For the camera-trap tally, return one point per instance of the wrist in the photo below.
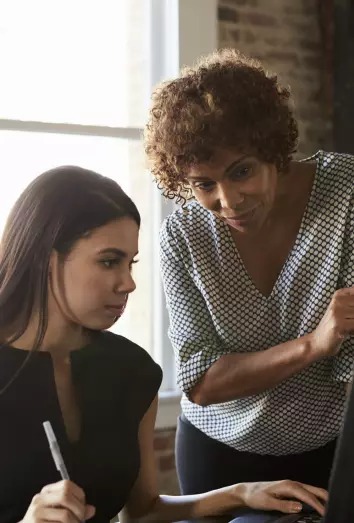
(310, 348)
(239, 495)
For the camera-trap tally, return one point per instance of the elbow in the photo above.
(200, 395)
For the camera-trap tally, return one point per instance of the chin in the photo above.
(101, 325)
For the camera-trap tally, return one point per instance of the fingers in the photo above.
(320, 493)
(291, 489)
(287, 507)
(57, 515)
(60, 502)
(66, 501)
(66, 487)
(89, 512)
(64, 498)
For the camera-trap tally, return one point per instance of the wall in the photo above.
(165, 458)
(286, 35)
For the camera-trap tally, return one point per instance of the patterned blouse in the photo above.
(215, 309)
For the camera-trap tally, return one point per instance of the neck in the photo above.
(293, 190)
(60, 339)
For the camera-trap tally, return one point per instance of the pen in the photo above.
(55, 450)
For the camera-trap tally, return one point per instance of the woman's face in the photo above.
(238, 188)
(91, 285)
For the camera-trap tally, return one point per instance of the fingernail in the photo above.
(297, 507)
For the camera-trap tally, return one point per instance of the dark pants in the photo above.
(205, 464)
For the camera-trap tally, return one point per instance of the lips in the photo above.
(241, 219)
(241, 216)
(117, 310)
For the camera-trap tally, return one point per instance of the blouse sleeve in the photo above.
(192, 332)
(342, 370)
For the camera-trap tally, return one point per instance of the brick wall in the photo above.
(286, 36)
(165, 458)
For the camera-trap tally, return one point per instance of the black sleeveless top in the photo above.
(116, 381)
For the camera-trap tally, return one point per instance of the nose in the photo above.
(126, 283)
(230, 195)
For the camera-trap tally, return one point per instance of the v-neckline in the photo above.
(317, 156)
(61, 418)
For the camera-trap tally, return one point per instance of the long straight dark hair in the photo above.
(58, 208)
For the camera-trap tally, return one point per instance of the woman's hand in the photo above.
(336, 325)
(62, 502)
(280, 496)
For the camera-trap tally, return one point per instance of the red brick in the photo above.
(303, 27)
(259, 19)
(311, 112)
(309, 10)
(240, 2)
(223, 34)
(292, 10)
(312, 62)
(249, 37)
(309, 45)
(283, 56)
(167, 463)
(274, 41)
(227, 14)
(235, 35)
(300, 11)
(164, 442)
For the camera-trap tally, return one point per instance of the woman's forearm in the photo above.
(176, 508)
(238, 375)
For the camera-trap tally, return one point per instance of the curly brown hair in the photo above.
(226, 100)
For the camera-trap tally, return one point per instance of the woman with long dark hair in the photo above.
(65, 275)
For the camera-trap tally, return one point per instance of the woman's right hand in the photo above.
(336, 325)
(283, 496)
(62, 502)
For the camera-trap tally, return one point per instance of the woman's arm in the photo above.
(235, 375)
(207, 371)
(146, 505)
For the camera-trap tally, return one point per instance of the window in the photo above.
(75, 87)
(74, 91)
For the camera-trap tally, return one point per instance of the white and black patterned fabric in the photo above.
(215, 309)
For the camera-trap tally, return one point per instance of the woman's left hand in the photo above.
(280, 496)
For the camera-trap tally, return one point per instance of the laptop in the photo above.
(340, 507)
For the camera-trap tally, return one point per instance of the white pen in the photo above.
(55, 450)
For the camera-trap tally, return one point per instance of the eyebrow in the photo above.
(227, 170)
(236, 162)
(116, 252)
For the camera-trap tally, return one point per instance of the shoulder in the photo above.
(189, 227)
(139, 375)
(180, 221)
(130, 357)
(111, 357)
(336, 170)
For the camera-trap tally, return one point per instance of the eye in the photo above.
(204, 186)
(239, 174)
(110, 263)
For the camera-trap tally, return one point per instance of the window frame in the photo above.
(176, 38)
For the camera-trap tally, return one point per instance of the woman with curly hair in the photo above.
(257, 270)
